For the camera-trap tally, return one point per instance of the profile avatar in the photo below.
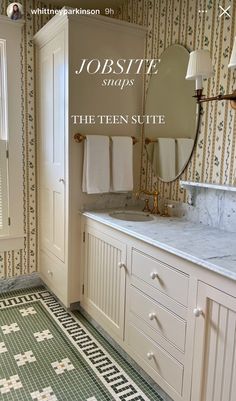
(15, 11)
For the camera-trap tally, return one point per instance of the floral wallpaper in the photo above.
(24, 261)
(179, 21)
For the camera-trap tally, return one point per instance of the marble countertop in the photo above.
(208, 247)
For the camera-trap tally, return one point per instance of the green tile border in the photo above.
(118, 376)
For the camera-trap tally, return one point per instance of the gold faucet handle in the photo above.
(147, 207)
(155, 209)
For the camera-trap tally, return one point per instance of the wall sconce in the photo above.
(200, 66)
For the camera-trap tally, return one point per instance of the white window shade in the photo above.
(3, 142)
(3, 90)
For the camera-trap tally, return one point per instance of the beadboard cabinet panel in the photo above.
(104, 280)
(214, 374)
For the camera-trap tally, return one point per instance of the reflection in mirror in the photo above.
(169, 146)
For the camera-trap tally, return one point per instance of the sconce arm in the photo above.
(201, 98)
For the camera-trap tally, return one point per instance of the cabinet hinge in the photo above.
(83, 289)
(9, 221)
(7, 154)
(84, 236)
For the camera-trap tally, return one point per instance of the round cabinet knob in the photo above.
(61, 180)
(154, 275)
(150, 355)
(121, 264)
(197, 312)
(50, 273)
(152, 315)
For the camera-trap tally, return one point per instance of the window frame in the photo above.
(10, 32)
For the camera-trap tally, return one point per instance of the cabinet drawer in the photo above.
(160, 276)
(156, 360)
(159, 318)
(53, 273)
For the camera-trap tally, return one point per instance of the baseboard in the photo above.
(20, 282)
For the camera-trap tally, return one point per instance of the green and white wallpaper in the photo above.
(179, 21)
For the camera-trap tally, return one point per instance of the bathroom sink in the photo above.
(129, 215)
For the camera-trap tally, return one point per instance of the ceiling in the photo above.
(101, 4)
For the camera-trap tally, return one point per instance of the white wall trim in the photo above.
(8, 243)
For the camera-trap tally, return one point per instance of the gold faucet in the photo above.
(155, 209)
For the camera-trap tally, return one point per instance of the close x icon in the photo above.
(224, 11)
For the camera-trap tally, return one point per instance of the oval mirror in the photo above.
(170, 145)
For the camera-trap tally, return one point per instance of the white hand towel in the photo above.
(184, 147)
(121, 164)
(164, 156)
(96, 168)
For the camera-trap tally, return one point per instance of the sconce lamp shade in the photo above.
(199, 66)
(232, 62)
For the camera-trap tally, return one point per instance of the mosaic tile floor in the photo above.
(49, 354)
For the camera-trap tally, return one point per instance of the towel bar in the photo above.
(149, 140)
(80, 138)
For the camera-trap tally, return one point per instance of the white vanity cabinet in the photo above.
(104, 261)
(142, 301)
(214, 373)
(177, 320)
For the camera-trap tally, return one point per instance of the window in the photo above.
(3, 142)
(11, 125)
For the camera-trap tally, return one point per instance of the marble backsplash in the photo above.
(111, 201)
(211, 207)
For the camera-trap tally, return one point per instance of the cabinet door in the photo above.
(51, 139)
(214, 373)
(104, 280)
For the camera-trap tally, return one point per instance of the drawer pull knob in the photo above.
(152, 315)
(154, 275)
(150, 355)
(197, 312)
(50, 273)
(121, 264)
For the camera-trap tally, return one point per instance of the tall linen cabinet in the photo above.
(61, 93)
